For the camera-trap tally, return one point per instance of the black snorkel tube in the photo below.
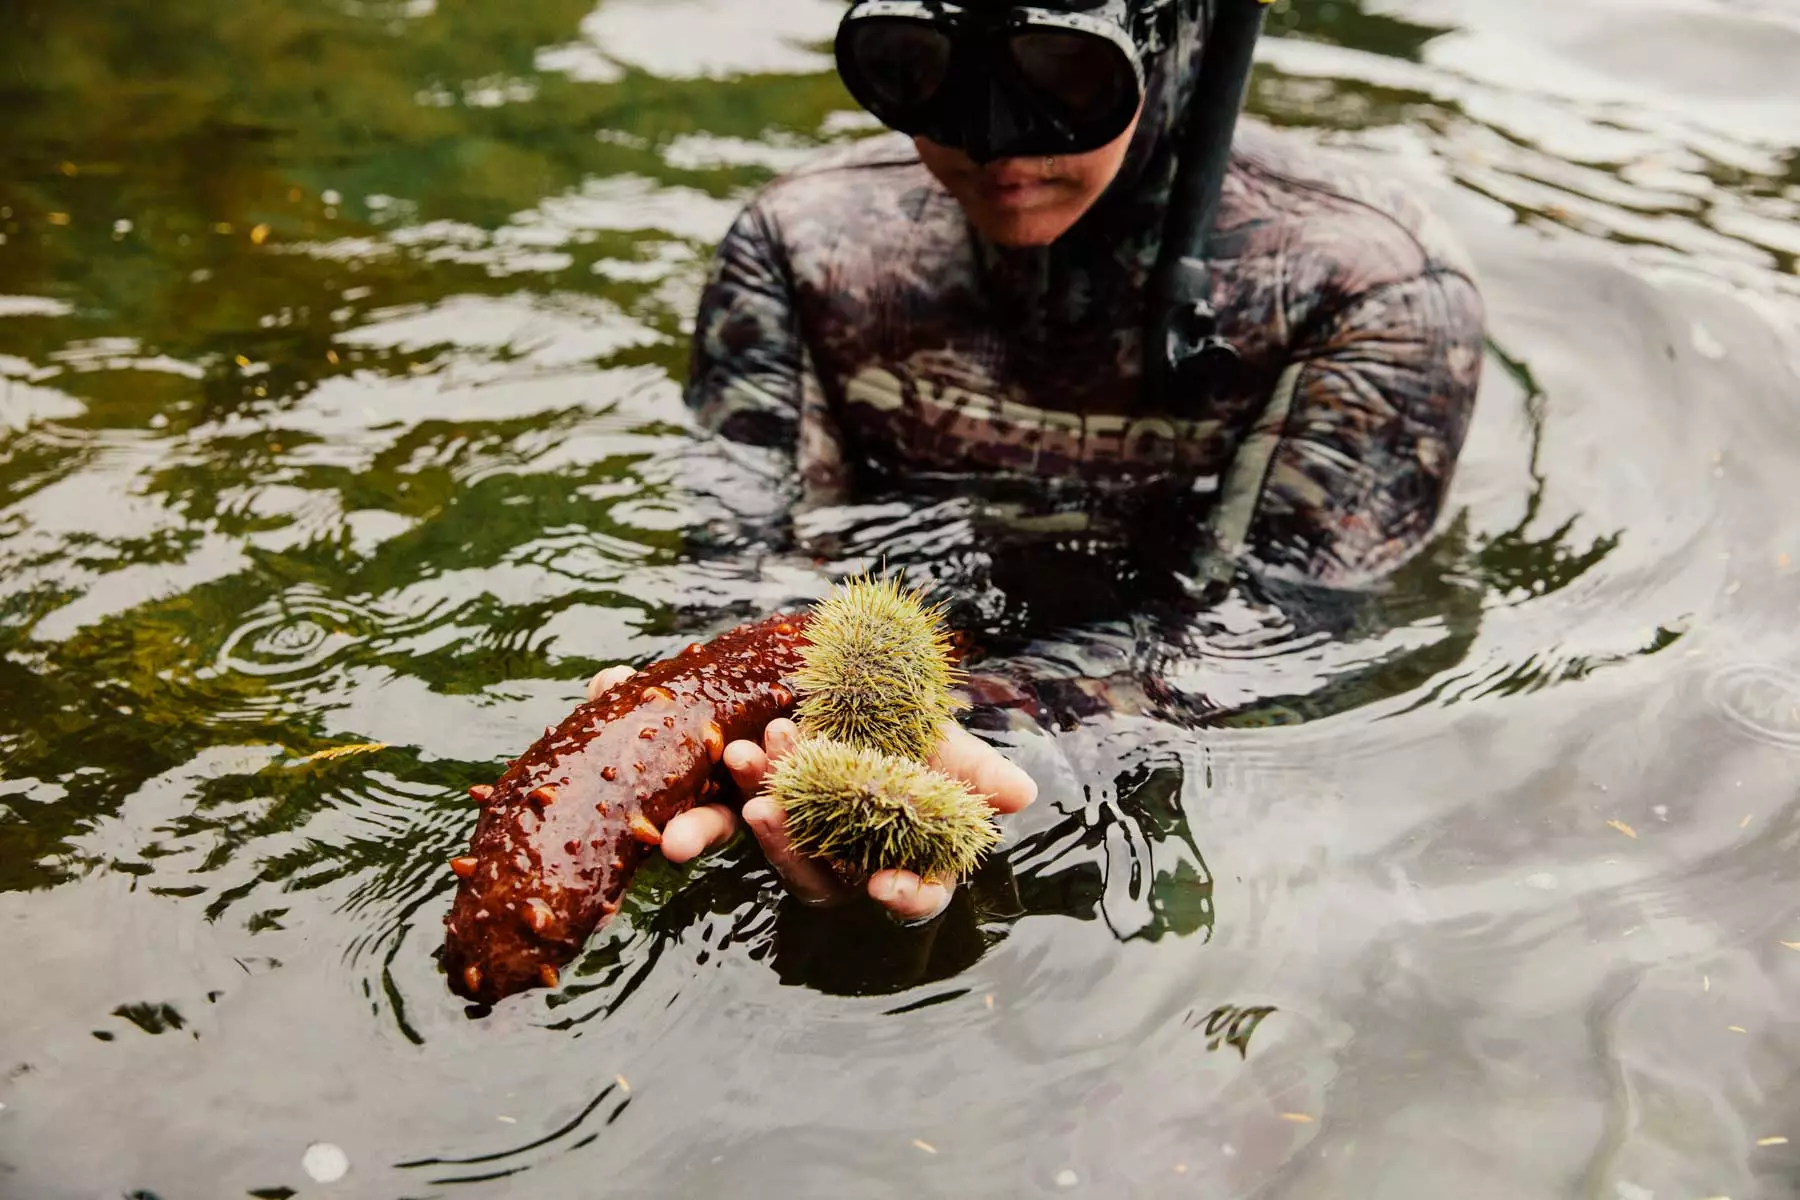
(1184, 356)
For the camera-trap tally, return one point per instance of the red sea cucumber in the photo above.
(528, 902)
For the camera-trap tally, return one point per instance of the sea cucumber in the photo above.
(563, 831)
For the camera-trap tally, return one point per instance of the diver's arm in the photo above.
(752, 385)
(744, 375)
(1343, 477)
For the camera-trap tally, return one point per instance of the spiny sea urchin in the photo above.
(877, 674)
(871, 811)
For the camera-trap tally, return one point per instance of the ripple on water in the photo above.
(295, 635)
(1375, 827)
(1759, 699)
(285, 853)
(609, 1103)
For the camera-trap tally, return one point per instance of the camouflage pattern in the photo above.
(855, 327)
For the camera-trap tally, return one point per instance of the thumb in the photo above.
(608, 679)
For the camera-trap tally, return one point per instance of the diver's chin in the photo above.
(1022, 228)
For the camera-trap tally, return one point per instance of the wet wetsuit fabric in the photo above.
(855, 324)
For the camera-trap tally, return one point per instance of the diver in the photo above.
(1069, 269)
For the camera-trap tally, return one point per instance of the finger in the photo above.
(747, 764)
(690, 834)
(907, 896)
(607, 680)
(780, 737)
(809, 881)
(964, 756)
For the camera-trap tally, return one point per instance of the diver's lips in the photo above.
(1017, 194)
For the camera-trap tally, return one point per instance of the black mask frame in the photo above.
(978, 98)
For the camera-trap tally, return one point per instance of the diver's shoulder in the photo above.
(856, 208)
(1332, 205)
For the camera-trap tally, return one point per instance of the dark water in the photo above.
(339, 356)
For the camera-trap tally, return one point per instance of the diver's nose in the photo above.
(993, 128)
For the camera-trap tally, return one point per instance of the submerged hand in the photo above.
(959, 754)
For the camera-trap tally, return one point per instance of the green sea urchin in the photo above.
(870, 811)
(877, 674)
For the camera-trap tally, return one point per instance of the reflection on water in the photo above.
(340, 440)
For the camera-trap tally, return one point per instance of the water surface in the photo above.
(340, 436)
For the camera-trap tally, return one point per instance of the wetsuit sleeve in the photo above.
(1345, 472)
(751, 381)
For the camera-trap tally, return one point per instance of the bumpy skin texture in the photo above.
(855, 329)
(545, 875)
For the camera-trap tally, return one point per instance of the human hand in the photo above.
(959, 754)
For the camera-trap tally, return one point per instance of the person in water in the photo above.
(968, 296)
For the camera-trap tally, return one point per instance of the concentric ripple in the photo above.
(295, 636)
(1759, 699)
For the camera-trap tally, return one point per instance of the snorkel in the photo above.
(1184, 355)
(1186, 359)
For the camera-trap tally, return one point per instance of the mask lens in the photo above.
(1086, 78)
(896, 66)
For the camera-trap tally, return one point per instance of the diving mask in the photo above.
(999, 80)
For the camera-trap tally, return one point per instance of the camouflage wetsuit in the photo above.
(856, 326)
